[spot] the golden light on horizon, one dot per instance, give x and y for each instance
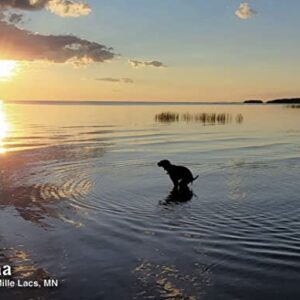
(4, 127)
(7, 69)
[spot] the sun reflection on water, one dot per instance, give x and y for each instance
(4, 127)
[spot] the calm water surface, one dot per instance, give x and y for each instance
(82, 200)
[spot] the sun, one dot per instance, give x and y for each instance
(7, 68)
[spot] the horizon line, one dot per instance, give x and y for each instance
(141, 102)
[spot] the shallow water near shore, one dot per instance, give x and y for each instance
(82, 200)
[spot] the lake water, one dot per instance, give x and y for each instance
(82, 201)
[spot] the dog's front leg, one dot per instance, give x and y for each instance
(175, 182)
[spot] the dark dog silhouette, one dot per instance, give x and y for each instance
(180, 176)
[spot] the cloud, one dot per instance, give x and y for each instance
(127, 80)
(115, 80)
(10, 16)
(67, 8)
(63, 8)
(24, 4)
(245, 12)
(14, 18)
(20, 44)
(153, 63)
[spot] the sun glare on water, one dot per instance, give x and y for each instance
(7, 69)
(3, 128)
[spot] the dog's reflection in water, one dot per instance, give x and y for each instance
(184, 194)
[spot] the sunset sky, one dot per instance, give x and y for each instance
(160, 50)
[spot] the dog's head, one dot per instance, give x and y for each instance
(164, 164)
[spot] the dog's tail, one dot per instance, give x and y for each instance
(195, 178)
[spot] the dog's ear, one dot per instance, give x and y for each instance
(166, 162)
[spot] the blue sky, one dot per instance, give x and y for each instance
(200, 42)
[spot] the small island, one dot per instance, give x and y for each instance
(253, 102)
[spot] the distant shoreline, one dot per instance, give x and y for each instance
(285, 101)
(146, 103)
(127, 103)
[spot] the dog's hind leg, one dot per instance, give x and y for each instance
(183, 184)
